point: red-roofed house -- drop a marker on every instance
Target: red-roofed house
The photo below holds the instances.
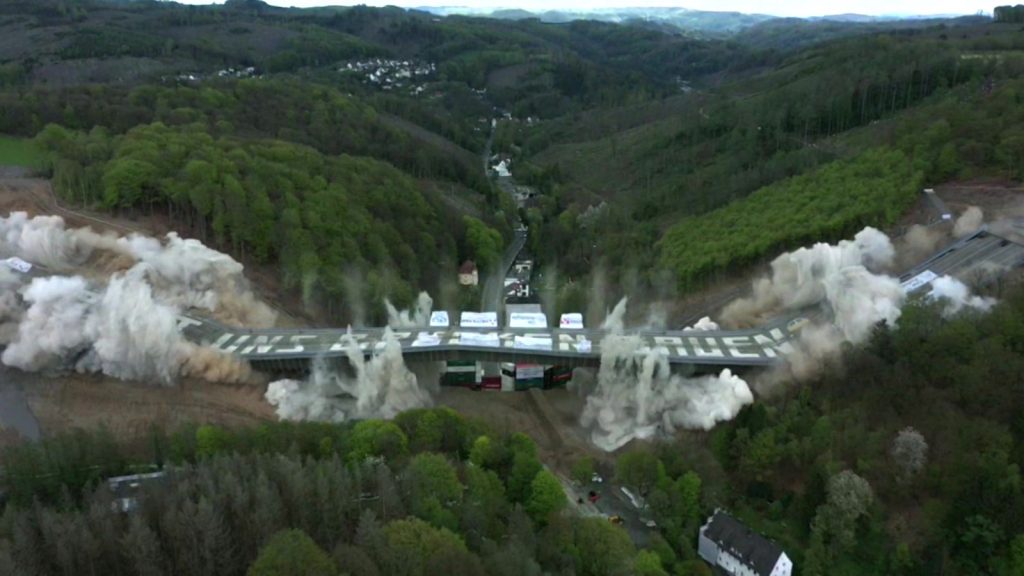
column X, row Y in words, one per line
column 468, row 274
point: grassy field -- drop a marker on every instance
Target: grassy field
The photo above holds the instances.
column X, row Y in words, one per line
column 19, row 152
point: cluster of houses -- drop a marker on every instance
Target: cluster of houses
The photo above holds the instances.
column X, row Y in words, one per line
column 247, row 72
column 390, row 74
column 240, row 72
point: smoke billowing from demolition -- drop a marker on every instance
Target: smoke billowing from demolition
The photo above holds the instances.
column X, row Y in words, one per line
column 637, row 396
column 418, row 316
column 380, row 387
column 955, row 296
column 615, row 321
column 848, row 284
column 968, row 222
column 844, row 276
column 115, row 308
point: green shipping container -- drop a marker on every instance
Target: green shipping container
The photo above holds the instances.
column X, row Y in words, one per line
column 460, row 373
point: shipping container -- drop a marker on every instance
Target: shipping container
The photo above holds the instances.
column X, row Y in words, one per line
column 557, row 376
column 460, row 373
column 521, row 376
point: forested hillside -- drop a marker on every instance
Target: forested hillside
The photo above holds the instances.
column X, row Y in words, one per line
column 227, row 120
column 659, row 167
column 662, row 126
column 429, row 493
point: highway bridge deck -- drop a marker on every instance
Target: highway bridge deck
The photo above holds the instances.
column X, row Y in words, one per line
column 293, row 348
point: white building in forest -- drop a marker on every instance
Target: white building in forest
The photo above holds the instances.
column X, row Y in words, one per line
column 726, row 543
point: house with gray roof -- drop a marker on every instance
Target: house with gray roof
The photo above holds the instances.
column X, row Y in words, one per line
column 734, row 549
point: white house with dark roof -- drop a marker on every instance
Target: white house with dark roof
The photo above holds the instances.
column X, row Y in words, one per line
column 737, row 550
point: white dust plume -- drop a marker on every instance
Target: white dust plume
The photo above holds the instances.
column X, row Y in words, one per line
column 968, row 222
column 188, row 274
column 956, row 296
column 119, row 330
column 704, row 324
column 41, row 240
column 418, row 316
column 846, row 288
column 615, row 321
column 845, row 278
column 636, row 396
column 123, row 323
column 380, row 387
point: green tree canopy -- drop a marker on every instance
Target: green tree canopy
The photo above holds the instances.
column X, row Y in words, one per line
column 377, row 438
column 546, row 497
column 292, row 553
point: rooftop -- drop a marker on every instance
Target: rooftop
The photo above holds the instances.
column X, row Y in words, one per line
column 749, row 547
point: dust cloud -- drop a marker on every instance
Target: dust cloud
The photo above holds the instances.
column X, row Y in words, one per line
column 104, row 303
column 636, row 395
column 380, row 387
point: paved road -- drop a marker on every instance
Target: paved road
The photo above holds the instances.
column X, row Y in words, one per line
column 494, row 285
column 611, row 502
column 761, row 346
column 15, row 413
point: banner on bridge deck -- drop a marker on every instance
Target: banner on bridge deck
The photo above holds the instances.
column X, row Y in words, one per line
column 479, row 320
column 918, row 281
column 489, row 340
column 527, row 320
column 439, row 319
column 571, row 321
column 532, row 343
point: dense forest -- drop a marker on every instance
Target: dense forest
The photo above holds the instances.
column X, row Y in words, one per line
column 428, row 493
column 658, row 159
column 946, row 98
column 902, row 459
column 634, row 131
column 239, row 124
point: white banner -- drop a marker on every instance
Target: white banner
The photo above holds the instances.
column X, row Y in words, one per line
column 489, row 340
column 532, row 343
column 527, row 320
column 479, row 320
column 439, row 319
column 918, row 281
column 572, row 321
column 529, row 371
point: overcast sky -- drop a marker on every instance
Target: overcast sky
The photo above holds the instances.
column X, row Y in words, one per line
column 776, row 7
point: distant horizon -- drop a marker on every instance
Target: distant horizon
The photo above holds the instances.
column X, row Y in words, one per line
column 782, row 8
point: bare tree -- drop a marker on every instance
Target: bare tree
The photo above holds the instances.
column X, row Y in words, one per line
column 910, row 453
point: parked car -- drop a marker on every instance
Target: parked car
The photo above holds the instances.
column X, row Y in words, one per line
column 596, row 478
